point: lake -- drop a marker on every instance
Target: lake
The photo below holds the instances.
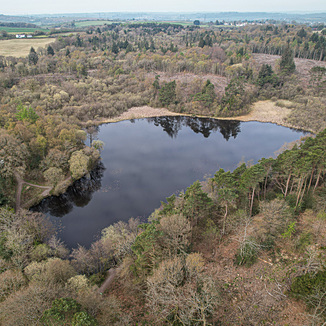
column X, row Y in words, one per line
column 146, row 160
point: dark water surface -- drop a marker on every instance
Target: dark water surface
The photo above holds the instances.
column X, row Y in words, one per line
column 144, row 161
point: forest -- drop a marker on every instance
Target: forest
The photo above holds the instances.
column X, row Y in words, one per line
column 244, row 247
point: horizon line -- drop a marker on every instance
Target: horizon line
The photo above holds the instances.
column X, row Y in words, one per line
column 299, row 12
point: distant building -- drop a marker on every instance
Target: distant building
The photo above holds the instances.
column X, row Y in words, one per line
column 29, row 36
column 20, row 35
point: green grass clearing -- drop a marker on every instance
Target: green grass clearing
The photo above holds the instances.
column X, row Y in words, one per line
column 22, row 30
column 87, row 23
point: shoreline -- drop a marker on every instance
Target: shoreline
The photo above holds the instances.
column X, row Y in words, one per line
column 261, row 111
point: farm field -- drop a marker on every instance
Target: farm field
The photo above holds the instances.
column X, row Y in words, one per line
column 86, row 23
column 21, row 30
column 93, row 23
column 175, row 22
column 21, row 47
column 183, row 23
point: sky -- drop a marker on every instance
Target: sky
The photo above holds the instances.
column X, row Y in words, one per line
column 19, row 7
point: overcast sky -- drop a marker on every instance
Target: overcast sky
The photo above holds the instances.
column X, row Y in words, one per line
column 18, row 7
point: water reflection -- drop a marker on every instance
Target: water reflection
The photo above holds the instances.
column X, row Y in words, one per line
column 171, row 125
column 92, row 133
column 204, row 126
column 145, row 165
column 79, row 194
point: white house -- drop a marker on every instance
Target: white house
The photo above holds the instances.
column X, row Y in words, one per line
column 20, row 35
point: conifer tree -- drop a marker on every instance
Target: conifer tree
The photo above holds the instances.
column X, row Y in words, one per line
column 287, row 64
column 32, row 57
column 50, row 50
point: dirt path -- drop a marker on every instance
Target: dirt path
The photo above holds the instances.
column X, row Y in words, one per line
column 110, row 277
column 65, row 183
column 44, row 194
column 19, row 189
column 33, row 185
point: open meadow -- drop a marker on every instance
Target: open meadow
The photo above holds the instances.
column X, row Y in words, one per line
column 21, row 47
column 22, row 30
column 87, row 23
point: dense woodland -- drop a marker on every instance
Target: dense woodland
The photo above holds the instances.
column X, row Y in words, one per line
column 245, row 247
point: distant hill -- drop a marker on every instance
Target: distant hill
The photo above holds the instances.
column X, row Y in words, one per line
column 48, row 19
column 18, row 25
column 17, row 19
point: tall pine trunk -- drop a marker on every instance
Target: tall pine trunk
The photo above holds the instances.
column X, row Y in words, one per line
column 252, row 201
column 287, row 185
column 317, row 181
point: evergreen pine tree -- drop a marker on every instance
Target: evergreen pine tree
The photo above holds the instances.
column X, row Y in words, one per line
column 266, row 76
column 32, row 57
column 201, row 43
column 287, row 64
column 50, row 50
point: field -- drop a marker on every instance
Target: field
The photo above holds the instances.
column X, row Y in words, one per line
column 175, row 22
column 21, row 30
column 93, row 23
column 21, row 47
column 86, row 23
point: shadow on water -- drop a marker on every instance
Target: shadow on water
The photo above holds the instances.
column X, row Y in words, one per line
column 144, row 166
column 92, row 134
column 79, row 194
column 204, row 126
